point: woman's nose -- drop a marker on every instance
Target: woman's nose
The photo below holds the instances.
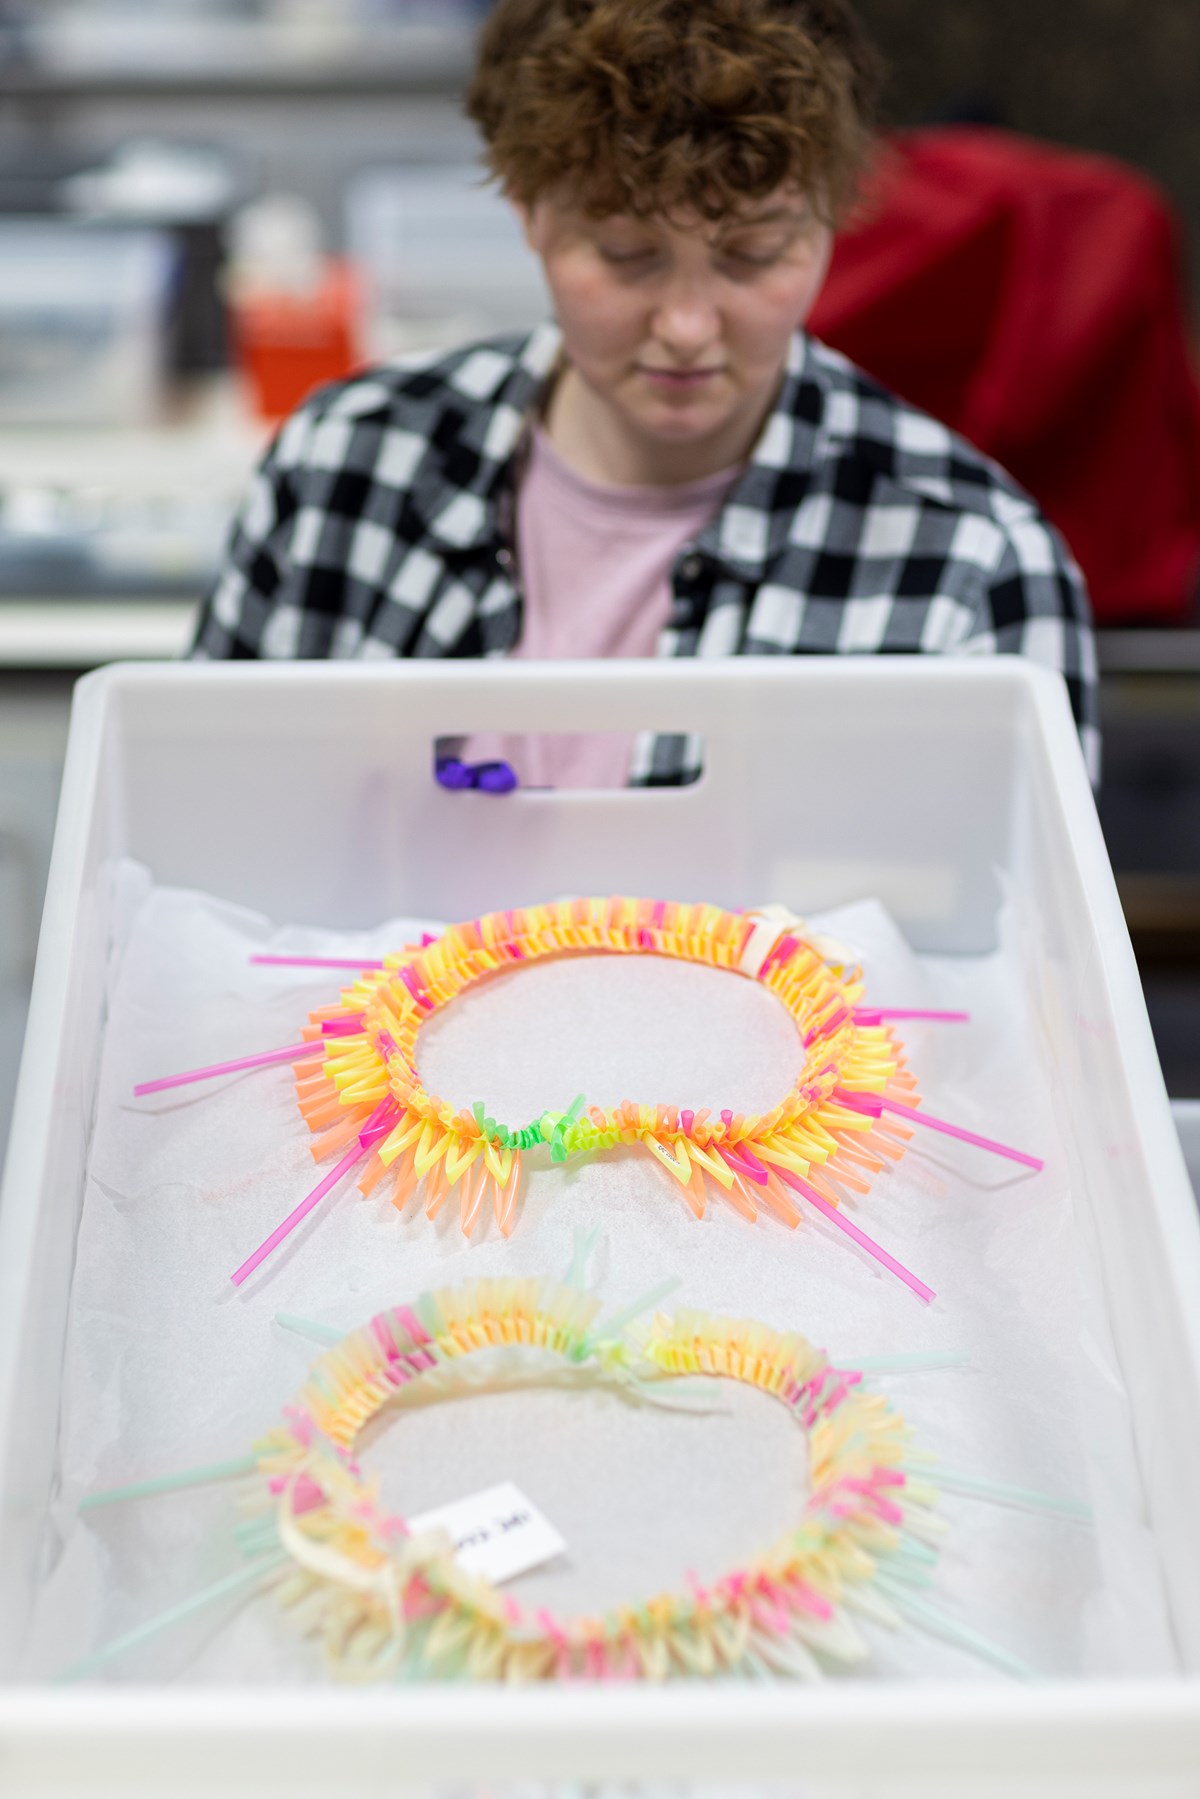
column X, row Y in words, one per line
column 687, row 320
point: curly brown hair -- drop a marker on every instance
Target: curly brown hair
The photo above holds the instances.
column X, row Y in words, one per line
column 675, row 107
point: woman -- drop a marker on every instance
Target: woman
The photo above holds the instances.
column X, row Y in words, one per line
column 673, row 468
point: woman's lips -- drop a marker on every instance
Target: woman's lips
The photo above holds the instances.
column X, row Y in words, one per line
column 679, row 380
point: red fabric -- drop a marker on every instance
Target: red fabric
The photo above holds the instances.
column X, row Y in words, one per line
column 1030, row 298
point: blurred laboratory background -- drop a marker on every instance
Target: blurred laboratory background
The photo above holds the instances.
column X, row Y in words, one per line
column 209, row 206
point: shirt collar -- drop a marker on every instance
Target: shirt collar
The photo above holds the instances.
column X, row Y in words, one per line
column 503, row 385
column 752, row 527
column 753, row 523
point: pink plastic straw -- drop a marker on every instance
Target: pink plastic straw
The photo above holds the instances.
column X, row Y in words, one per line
column 874, row 1014
column 873, row 1104
column 315, row 962
column 373, row 1129
column 353, row 1155
column 343, row 1027
column 743, row 1163
column 860, row 1237
column 956, row 1130
column 293, row 1053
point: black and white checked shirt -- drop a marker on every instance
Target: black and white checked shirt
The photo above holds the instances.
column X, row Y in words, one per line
column 381, row 522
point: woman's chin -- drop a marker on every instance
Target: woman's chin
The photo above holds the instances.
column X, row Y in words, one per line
column 681, row 423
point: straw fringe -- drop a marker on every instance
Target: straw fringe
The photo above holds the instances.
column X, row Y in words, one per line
column 388, row 1605
column 477, row 1159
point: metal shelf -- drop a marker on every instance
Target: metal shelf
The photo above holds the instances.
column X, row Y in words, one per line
column 75, row 635
column 231, row 57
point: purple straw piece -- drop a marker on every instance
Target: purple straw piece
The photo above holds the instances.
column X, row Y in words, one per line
column 496, row 777
column 454, row 775
column 293, row 1053
column 315, row 962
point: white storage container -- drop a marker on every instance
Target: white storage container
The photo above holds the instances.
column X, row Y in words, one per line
column 82, row 322
column 1186, row 1113
column 934, row 786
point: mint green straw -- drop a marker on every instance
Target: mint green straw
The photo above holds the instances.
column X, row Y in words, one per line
column 308, row 1327
column 254, row 1535
column 585, row 1243
column 610, row 1330
column 222, row 1589
column 919, row 1362
column 976, row 1488
column 907, row 1571
column 954, row 1632
column 170, row 1483
column 912, row 1549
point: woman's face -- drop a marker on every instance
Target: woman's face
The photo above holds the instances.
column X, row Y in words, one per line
column 681, row 329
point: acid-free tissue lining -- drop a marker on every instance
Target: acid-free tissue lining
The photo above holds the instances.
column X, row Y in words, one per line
column 168, row 1366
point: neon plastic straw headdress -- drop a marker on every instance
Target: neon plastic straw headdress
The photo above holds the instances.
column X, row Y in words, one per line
column 361, row 1094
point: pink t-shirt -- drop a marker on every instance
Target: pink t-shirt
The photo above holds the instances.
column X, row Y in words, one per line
column 595, row 572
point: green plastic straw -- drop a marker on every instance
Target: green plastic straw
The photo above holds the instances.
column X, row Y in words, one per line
column 585, row 1243
column 976, row 1488
column 609, row 1329
column 913, row 1550
column 920, row 1362
column 171, row 1483
column 255, row 1534
column 308, row 1327
column 222, row 1589
column 942, row 1625
column 908, row 1573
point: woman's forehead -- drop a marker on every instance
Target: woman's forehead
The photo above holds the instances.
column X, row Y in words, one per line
column 785, row 206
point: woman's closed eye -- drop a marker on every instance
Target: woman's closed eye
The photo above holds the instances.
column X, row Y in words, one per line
column 755, row 253
column 625, row 256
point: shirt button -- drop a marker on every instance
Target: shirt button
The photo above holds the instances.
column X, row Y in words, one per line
column 504, row 558
column 690, row 567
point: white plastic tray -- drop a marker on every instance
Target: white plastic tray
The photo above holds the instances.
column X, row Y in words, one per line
column 936, row 788
column 1186, row 1113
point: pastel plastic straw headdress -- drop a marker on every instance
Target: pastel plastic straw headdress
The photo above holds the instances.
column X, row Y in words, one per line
column 386, row 1602
column 389, row 1602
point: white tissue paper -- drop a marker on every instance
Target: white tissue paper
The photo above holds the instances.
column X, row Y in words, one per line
column 169, row 1366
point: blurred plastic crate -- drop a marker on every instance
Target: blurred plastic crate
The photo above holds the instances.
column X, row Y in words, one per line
column 83, row 315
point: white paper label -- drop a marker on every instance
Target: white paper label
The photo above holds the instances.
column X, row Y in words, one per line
column 498, row 1533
